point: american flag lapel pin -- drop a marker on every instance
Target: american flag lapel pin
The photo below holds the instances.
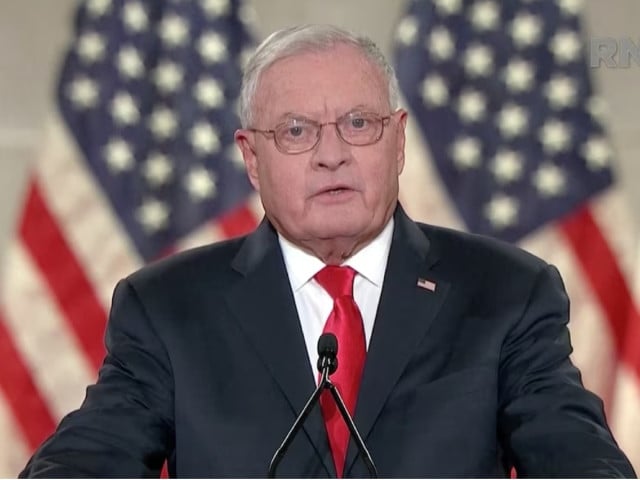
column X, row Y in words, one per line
column 427, row 284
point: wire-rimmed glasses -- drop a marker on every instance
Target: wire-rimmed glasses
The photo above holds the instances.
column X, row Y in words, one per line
column 300, row 134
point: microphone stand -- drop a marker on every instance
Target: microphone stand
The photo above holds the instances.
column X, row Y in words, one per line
column 362, row 449
column 327, row 365
column 277, row 457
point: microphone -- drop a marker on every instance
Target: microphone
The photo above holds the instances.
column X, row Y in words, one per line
column 327, row 365
column 327, row 353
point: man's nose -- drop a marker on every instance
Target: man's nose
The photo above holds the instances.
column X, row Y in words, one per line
column 331, row 151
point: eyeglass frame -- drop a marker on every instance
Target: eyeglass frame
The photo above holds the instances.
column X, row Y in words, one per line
column 383, row 122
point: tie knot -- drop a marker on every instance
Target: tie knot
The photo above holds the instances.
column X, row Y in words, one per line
column 337, row 281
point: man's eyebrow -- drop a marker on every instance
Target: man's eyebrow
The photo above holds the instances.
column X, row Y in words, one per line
column 287, row 115
column 361, row 107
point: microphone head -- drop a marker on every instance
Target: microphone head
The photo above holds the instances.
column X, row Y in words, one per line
column 328, row 345
column 328, row 352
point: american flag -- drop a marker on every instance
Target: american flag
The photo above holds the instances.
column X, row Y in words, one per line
column 139, row 162
column 506, row 139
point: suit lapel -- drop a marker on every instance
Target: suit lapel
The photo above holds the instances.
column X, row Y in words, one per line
column 264, row 305
column 405, row 312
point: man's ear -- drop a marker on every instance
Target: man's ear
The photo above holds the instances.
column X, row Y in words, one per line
column 245, row 139
column 400, row 139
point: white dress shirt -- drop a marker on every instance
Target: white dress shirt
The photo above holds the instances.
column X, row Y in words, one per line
column 314, row 304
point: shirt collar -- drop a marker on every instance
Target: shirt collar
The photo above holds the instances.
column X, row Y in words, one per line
column 370, row 262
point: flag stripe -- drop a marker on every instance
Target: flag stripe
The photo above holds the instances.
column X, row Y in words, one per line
column 237, row 222
column 625, row 419
column 612, row 216
column 41, row 332
column 79, row 207
column 597, row 360
column 606, row 279
column 64, row 275
column 14, row 445
column 27, row 405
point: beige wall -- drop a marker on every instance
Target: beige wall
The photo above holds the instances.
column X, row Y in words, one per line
column 33, row 34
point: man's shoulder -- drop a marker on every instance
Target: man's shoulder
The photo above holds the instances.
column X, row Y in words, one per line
column 474, row 250
column 211, row 262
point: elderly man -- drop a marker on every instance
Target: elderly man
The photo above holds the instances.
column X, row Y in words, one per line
column 453, row 349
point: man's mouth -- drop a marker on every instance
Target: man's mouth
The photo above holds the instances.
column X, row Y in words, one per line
column 336, row 191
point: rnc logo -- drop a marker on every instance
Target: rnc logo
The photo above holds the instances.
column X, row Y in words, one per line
column 614, row 52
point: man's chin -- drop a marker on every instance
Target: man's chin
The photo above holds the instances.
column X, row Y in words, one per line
column 340, row 228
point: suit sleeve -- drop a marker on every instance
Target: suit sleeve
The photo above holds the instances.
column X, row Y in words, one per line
column 550, row 425
column 124, row 427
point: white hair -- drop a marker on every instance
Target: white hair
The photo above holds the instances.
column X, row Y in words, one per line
column 302, row 39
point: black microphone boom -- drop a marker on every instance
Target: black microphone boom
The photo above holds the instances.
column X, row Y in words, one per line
column 327, row 364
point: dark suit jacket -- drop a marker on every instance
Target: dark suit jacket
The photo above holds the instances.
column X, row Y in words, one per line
column 207, row 367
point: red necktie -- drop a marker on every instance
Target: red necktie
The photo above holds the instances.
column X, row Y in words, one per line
column 345, row 322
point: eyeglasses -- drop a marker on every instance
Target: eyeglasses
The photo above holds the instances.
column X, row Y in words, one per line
column 299, row 135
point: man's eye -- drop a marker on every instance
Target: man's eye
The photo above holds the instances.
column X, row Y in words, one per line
column 295, row 131
column 358, row 122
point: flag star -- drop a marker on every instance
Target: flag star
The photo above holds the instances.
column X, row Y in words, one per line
column 124, row 109
column 247, row 14
column 97, row 8
column 570, row 7
column 174, row 30
column 448, row 7
column 118, row 155
column 236, row 106
column 440, row 43
column 485, row 15
column 519, row 75
column 204, row 138
column 244, row 57
column 478, row 60
column 512, row 120
column 465, row 152
column 215, row 8
column 163, row 122
column 212, row 47
column 434, row 91
column 597, row 108
column 129, row 62
column 550, row 180
column 157, row 169
column 555, row 136
column 407, row 31
column 200, row 183
column 135, row 17
column 472, row 105
column 526, row 30
column 153, row 215
column 502, row 211
column 507, row 166
column 597, row 152
column 561, row 91
column 83, row 92
column 234, row 153
column 91, row 47
column 168, row 76
column 209, row 93
column 565, row 46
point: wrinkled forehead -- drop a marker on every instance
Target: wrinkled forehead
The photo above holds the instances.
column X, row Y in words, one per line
column 321, row 82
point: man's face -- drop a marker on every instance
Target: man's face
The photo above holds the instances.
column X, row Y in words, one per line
column 335, row 190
